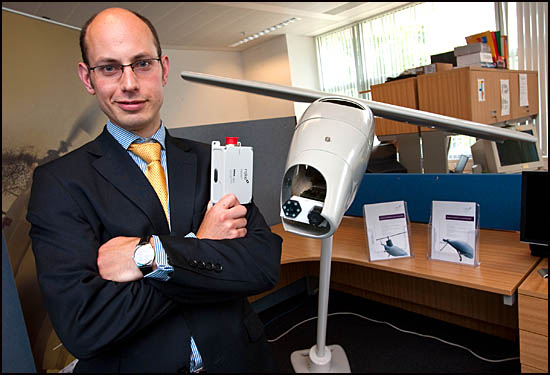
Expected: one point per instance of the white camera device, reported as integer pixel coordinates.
(326, 162)
(303, 210)
(231, 171)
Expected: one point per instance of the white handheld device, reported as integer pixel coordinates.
(231, 171)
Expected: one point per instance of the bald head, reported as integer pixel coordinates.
(113, 16)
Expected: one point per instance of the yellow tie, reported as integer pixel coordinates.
(150, 153)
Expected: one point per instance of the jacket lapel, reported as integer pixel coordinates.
(119, 169)
(182, 175)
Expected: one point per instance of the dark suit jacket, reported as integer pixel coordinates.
(97, 192)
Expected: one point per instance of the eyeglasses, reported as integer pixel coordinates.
(114, 71)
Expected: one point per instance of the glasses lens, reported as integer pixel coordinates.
(143, 66)
(109, 70)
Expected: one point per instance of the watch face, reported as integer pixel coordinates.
(144, 255)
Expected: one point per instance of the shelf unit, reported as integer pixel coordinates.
(455, 93)
(452, 93)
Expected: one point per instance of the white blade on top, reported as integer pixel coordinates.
(389, 111)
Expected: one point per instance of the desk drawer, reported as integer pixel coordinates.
(533, 314)
(531, 370)
(533, 350)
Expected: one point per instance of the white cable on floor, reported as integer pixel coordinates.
(401, 330)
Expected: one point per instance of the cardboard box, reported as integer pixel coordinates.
(471, 48)
(436, 67)
(474, 58)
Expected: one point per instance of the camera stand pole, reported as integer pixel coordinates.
(322, 358)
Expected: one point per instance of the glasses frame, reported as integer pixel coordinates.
(122, 66)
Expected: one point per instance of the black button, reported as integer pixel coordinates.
(209, 266)
(193, 263)
(218, 267)
(202, 265)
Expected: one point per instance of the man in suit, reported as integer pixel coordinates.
(135, 280)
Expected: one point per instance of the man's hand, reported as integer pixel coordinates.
(115, 260)
(225, 220)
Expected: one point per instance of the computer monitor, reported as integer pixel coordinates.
(534, 211)
(461, 164)
(508, 156)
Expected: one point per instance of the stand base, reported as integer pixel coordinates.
(337, 361)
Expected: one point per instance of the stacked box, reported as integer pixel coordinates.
(476, 54)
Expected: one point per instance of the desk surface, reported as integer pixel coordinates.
(535, 285)
(504, 261)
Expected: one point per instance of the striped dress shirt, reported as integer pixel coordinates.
(126, 138)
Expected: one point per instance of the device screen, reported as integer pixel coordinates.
(534, 206)
(517, 152)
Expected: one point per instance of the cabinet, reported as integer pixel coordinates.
(467, 93)
(474, 94)
(403, 93)
(533, 321)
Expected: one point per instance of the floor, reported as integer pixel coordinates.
(379, 348)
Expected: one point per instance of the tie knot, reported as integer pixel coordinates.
(147, 151)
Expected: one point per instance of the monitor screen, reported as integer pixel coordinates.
(534, 207)
(461, 164)
(517, 152)
(508, 156)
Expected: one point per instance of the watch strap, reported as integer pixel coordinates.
(145, 270)
(144, 240)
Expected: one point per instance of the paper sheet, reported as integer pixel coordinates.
(504, 97)
(481, 90)
(523, 94)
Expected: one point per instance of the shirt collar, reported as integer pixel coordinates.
(126, 137)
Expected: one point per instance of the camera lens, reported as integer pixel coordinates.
(292, 208)
(315, 217)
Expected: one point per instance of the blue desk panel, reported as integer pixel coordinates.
(499, 195)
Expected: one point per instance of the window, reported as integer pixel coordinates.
(354, 58)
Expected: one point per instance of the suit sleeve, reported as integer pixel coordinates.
(208, 271)
(89, 314)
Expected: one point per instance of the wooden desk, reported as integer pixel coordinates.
(460, 294)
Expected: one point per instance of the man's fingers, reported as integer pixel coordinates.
(225, 220)
(239, 223)
(239, 233)
(237, 212)
(229, 200)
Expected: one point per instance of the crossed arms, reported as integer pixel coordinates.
(90, 312)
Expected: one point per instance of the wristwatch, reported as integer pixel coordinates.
(144, 255)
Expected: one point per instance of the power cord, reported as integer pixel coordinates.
(399, 329)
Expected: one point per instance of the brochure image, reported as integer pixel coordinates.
(387, 230)
(454, 231)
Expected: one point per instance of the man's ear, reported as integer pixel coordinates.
(84, 74)
(165, 69)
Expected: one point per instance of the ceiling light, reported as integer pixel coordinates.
(266, 31)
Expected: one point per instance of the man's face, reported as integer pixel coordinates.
(131, 101)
